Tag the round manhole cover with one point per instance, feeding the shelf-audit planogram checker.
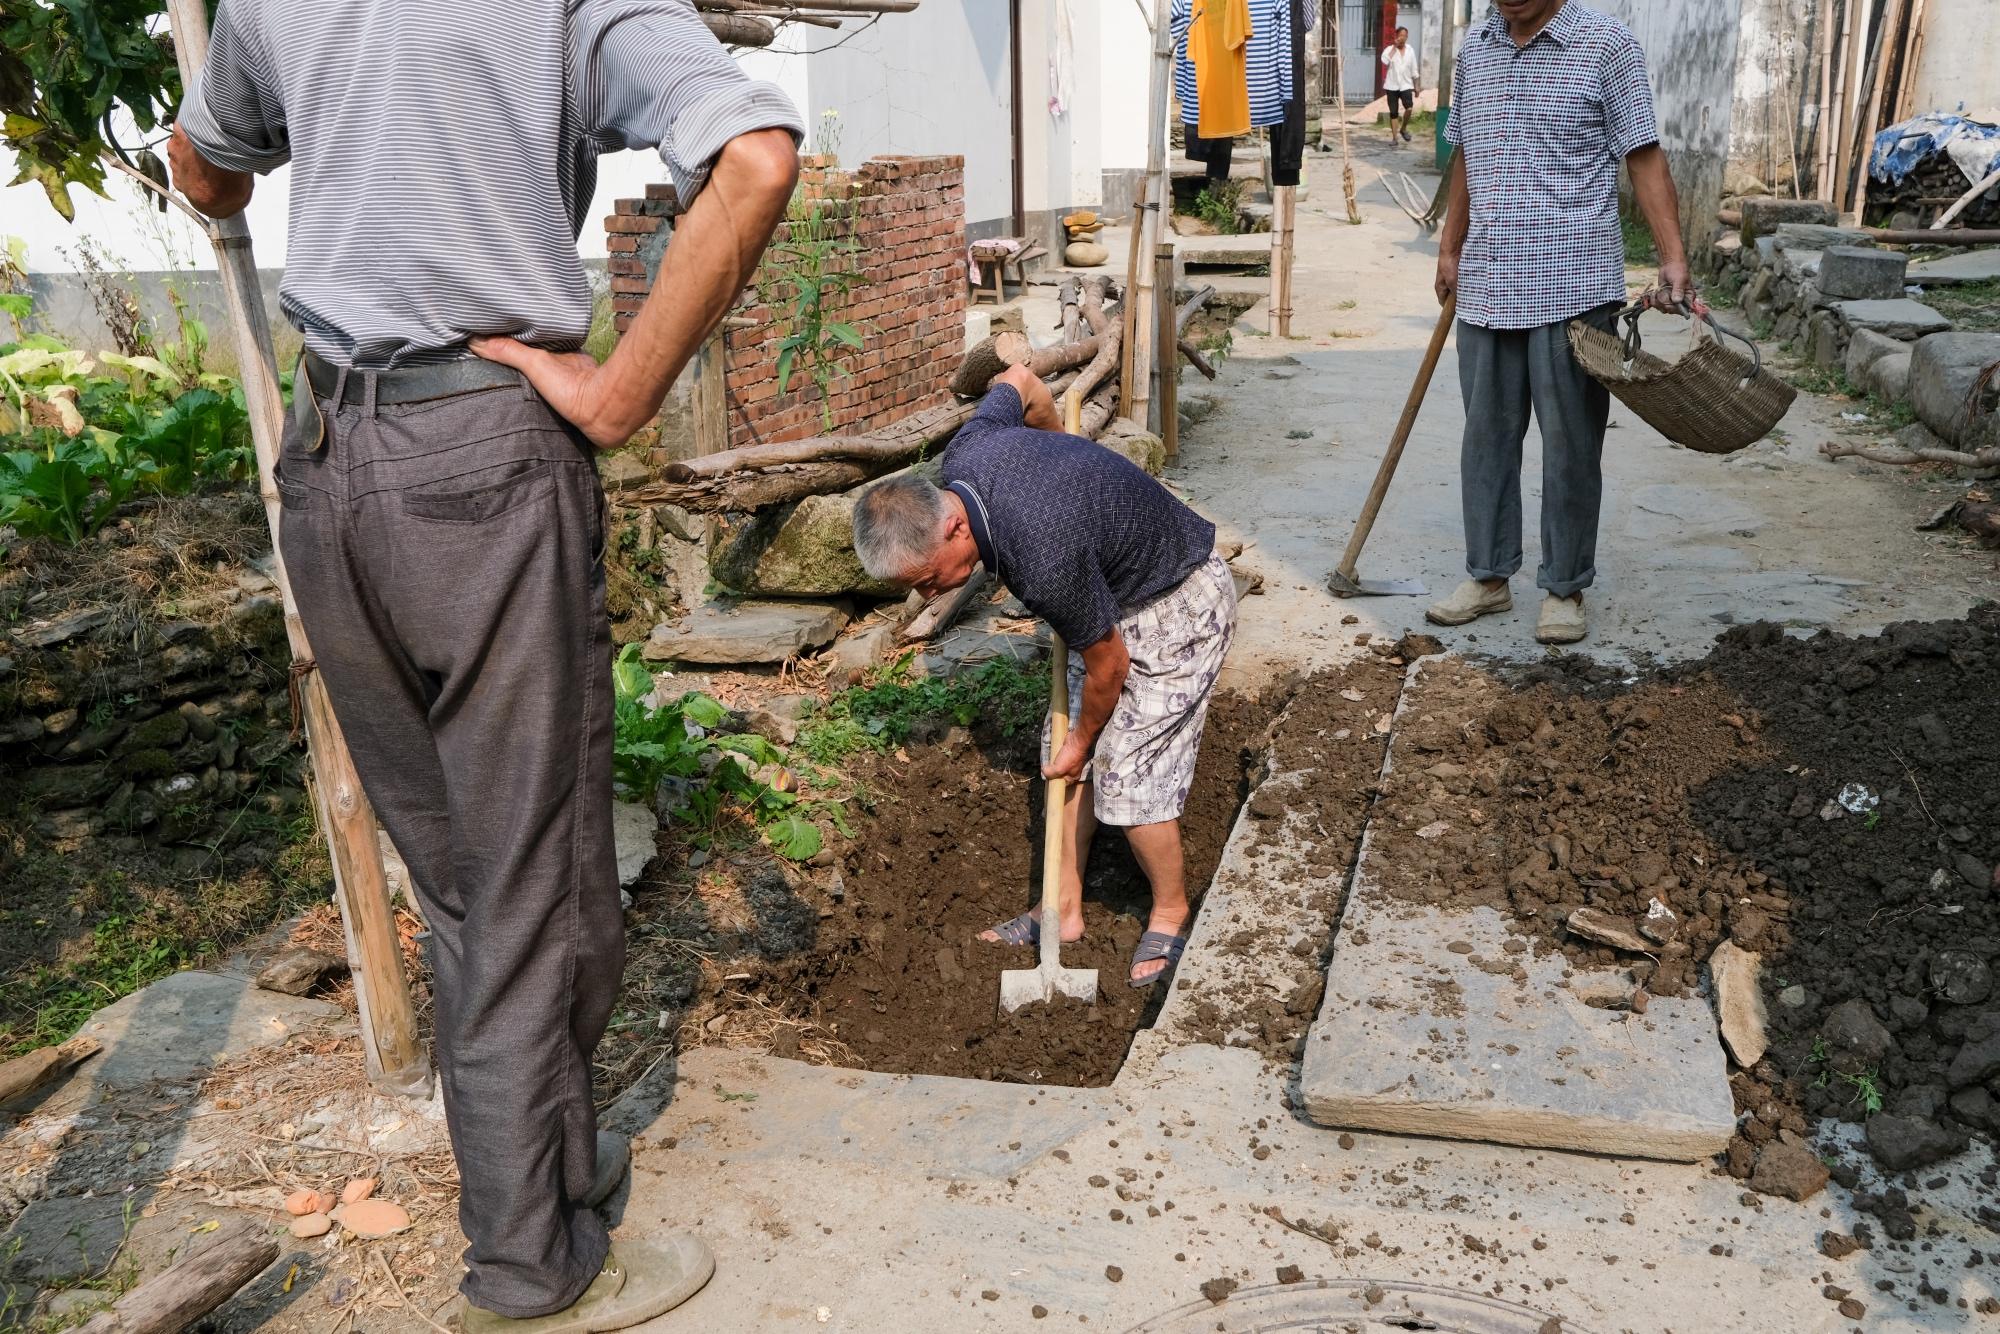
(1355, 1306)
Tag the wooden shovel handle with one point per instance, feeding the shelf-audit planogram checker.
(1366, 523)
(1052, 826)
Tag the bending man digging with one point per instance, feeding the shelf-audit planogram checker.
(1128, 576)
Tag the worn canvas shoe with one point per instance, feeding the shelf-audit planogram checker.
(1562, 621)
(1468, 602)
(614, 1162)
(640, 1280)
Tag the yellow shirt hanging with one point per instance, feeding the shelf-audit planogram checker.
(1218, 40)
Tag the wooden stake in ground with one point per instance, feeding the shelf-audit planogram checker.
(1165, 340)
(193, 1286)
(1284, 212)
(396, 1060)
(1149, 223)
(1339, 101)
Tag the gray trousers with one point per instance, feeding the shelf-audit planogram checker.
(447, 562)
(1504, 373)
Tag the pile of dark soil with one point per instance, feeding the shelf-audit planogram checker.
(898, 976)
(1880, 977)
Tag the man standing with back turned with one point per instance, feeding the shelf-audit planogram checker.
(444, 528)
(1548, 97)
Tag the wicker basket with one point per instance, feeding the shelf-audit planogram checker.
(1712, 399)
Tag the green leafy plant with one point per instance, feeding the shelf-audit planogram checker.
(1867, 1090)
(1220, 205)
(810, 277)
(67, 493)
(200, 434)
(680, 745)
(881, 713)
(64, 67)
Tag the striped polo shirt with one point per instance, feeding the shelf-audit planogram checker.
(1267, 61)
(1543, 129)
(444, 152)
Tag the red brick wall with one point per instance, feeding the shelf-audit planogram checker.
(908, 221)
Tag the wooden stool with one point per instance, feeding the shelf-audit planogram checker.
(994, 257)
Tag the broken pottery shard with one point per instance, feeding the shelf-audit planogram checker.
(371, 1219)
(1739, 1002)
(1659, 924)
(307, 1226)
(1605, 929)
(357, 1190)
(301, 1202)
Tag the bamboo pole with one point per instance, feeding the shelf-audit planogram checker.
(396, 1059)
(1906, 101)
(1888, 34)
(1284, 210)
(1166, 336)
(1835, 131)
(1821, 129)
(1340, 100)
(710, 407)
(1148, 224)
(1854, 102)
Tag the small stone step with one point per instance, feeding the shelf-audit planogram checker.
(746, 632)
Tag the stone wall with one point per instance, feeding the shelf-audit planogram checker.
(162, 733)
(906, 219)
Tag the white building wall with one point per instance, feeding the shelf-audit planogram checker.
(1960, 66)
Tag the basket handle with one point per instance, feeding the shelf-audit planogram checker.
(1699, 316)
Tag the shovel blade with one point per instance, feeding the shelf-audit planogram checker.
(1349, 586)
(1031, 986)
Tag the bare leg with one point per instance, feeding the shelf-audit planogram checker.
(1079, 827)
(1158, 848)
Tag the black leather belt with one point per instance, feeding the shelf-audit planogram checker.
(412, 384)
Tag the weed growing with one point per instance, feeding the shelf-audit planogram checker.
(882, 712)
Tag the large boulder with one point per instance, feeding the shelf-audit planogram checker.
(800, 550)
(1861, 273)
(1888, 378)
(1942, 372)
(1763, 216)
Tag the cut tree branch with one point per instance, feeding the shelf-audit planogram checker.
(1896, 454)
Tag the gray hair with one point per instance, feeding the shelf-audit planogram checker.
(897, 525)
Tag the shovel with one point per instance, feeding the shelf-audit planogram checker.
(1049, 979)
(1344, 582)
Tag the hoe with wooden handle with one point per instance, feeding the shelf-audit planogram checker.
(1049, 979)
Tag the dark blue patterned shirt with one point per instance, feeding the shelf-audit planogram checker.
(1543, 128)
(1080, 534)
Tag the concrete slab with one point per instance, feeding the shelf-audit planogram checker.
(1416, 1036)
(1901, 318)
(1962, 266)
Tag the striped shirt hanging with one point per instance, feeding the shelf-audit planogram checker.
(1543, 129)
(1268, 61)
(444, 153)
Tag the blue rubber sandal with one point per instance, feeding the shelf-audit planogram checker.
(1156, 945)
(1023, 930)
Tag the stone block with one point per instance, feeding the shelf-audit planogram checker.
(1901, 318)
(1767, 249)
(1801, 266)
(1763, 216)
(1943, 369)
(1889, 377)
(801, 550)
(1862, 273)
(1137, 444)
(1867, 347)
(1960, 266)
(746, 632)
(1826, 340)
(856, 653)
(1812, 236)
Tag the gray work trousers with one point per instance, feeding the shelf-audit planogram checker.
(447, 559)
(1504, 373)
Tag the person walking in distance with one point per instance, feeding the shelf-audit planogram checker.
(1401, 81)
(445, 529)
(1548, 98)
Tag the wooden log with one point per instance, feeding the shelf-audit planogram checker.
(1896, 454)
(739, 29)
(192, 1286)
(1069, 297)
(907, 437)
(1981, 518)
(396, 1061)
(1002, 351)
(1280, 312)
(1202, 296)
(1950, 237)
(1150, 225)
(941, 611)
(1197, 359)
(743, 492)
(25, 1074)
(709, 400)
(1110, 341)
(1887, 37)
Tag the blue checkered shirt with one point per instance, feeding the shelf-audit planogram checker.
(1543, 129)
